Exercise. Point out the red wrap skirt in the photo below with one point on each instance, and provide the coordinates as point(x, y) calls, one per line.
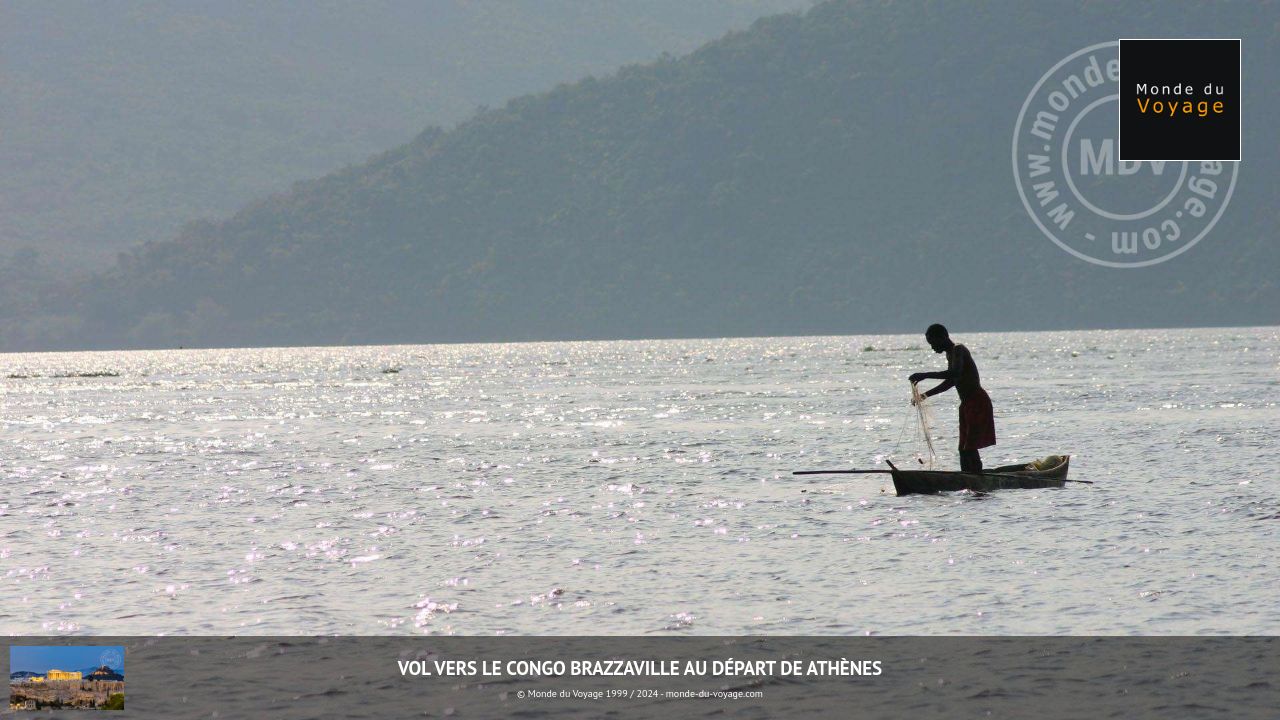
point(977, 422)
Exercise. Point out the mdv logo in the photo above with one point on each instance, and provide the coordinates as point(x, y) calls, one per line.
point(1101, 209)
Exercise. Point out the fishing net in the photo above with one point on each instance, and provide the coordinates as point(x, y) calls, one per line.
point(925, 454)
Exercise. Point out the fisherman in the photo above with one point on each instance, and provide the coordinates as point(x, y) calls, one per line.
point(977, 420)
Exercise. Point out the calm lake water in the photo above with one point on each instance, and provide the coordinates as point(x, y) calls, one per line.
point(637, 487)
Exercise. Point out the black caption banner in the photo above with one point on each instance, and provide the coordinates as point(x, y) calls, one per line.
point(664, 677)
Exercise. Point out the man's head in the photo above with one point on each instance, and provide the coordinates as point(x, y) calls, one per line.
point(938, 338)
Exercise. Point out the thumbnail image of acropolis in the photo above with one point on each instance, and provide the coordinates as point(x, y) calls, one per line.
point(74, 677)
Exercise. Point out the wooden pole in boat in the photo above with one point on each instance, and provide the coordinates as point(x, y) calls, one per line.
point(838, 472)
point(849, 472)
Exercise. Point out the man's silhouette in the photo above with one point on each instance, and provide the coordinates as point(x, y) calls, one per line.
point(977, 420)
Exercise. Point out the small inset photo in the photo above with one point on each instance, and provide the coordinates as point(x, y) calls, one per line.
point(66, 677)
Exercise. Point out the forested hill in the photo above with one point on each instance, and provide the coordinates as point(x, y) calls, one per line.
point(842, 171)
point(119, 122)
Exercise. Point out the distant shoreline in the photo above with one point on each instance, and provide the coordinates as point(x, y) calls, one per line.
point(920, 331)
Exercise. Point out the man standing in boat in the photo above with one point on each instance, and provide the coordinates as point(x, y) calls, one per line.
point(977, 419)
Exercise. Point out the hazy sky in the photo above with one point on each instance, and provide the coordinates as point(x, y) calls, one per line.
point(42, 658)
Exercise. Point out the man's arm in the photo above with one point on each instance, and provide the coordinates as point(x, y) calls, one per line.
point(955, 363)
point(942, 387)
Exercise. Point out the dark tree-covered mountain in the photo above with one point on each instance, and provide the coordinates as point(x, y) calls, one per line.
point(120, 122)
point(842, 171)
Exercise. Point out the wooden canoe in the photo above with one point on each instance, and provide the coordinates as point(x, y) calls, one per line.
point(1007, 477)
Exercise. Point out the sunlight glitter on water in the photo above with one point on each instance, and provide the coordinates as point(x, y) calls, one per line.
point(646, 483)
